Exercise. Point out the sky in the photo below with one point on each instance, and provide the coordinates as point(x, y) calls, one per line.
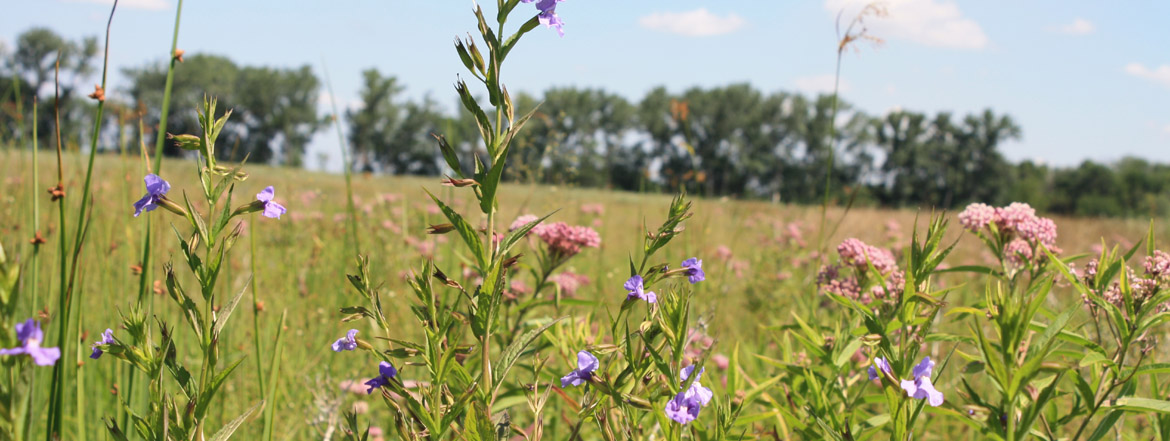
point(1084, 79)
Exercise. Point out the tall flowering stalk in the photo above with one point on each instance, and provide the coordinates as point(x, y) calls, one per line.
point(890, 313)
point(205, 248)
point(1014, 357)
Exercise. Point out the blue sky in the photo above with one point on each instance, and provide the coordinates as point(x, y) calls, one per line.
point(1085, 79)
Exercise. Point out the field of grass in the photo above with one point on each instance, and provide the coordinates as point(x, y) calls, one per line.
point(761, 274)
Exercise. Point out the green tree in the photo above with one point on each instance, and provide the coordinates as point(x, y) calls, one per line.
point(274, 110)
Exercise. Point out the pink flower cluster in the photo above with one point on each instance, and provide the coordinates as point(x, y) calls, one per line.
point(1155, 278)
point(594, 209)
point(569, 282)
point(859, 255)
point(566, 240)
point(1017, 218)
point(1018, 224)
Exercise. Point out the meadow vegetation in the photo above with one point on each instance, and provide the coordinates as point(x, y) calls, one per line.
point(229, 300)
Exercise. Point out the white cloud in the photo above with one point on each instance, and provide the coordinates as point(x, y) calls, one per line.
point(150, 5)
point(815, 84)
point(1161, 75)
point(697, 23)
point(1166, 129)
point(936, 23)
point(1078, 26)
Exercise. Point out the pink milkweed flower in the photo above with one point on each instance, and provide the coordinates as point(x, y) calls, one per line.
point(920, 387)
point(566, 241)
point(977, 216)
point(586, 364)
point(30, 336)
point(594, 209)
point(723, 252)
point(636, 291)
point(569, 282)
point(272, 210)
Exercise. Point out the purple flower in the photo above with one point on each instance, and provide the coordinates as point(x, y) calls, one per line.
point(107, 339)
point(920, 387)
point(386, 371)
point(347, 343)
point(156, 188)
point(634, 286)
point(548, 14)
point(879, 363)
point(586, 364)
point(30, 336)
point(271, 208)
point(694, 268)
point(685, 406)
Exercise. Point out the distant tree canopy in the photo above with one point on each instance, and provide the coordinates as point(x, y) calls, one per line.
point(274, 111)
point(28, 72)
point(733, 140)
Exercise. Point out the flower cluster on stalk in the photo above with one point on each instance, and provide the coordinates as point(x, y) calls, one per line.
point(862, 286)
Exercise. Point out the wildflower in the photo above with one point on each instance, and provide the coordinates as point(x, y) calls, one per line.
point(685, 406)
point(920, 387)
point(879, 363)
point(861, 255)
point(107, 339)
point(636, 291)
point(694, 272)
point(386, 371)
point(156, 189)
point(976, 216)
point(586, 364)
point(1009, 217)
point(569, 282)
point(29, 334)
point(526, 219)
point(272, 209)
point(347, 343)
point(567, 241)
point(178, 55)
point(548, 14)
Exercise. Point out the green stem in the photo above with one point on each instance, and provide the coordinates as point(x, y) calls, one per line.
point(347, 166)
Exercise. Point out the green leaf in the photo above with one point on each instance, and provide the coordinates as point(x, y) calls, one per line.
point(226, 431)
point(226, 311)
point(513, 351)
point(208, 394)
point(469, 235)
point(1136, 404)
point(491, 180)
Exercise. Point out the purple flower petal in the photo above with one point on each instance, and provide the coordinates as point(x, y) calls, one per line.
point(266, 195)
point(586, 362)
point(924, 368)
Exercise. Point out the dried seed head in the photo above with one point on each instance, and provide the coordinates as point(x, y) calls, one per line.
point(98, 94)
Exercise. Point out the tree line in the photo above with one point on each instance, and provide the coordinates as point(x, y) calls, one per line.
point(732, 140)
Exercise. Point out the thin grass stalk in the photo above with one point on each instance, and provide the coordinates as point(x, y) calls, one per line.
point(273, 378)
point(83, 214)
point(256, 318)
point(35, 282)
point(351, 225)
point(55, 390)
